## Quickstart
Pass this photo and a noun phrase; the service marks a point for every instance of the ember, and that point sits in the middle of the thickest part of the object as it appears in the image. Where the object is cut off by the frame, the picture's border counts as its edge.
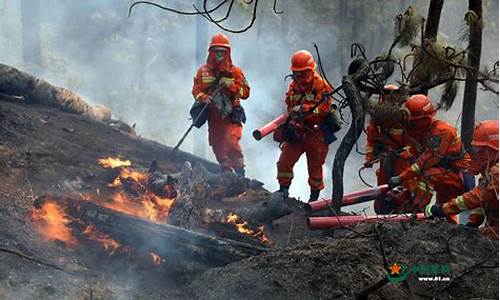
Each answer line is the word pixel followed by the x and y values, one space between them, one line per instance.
pixel 157 260
pixel 51 222
pixel 242 227
pixel 109 244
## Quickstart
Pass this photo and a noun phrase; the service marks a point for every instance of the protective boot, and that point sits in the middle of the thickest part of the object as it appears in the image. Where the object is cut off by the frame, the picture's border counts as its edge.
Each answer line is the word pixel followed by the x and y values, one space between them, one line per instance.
pixel 284 190
pixel 314 195
pixel 240 172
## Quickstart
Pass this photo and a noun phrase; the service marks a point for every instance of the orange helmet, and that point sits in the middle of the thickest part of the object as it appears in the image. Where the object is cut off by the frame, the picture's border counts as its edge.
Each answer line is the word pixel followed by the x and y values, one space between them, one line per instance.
pixel 419 107
pixel 486 134
pixel 302 60
pixel 220 40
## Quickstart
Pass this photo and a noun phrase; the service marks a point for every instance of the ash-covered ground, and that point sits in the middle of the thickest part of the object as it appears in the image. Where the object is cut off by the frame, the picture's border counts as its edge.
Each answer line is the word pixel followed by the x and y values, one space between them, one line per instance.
pixel 44 151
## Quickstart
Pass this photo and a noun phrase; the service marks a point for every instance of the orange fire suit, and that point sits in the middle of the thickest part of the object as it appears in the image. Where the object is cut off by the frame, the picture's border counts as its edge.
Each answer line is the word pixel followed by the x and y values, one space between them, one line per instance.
pixel 223 134
pixel 439 165
pixel 313 144
pixel 480 199
pixel 390 146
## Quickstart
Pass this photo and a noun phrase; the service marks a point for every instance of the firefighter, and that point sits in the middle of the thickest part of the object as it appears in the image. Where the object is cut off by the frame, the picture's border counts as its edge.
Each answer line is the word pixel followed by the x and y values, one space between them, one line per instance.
pixel 387 144
pixel 440 157
pixel 222 85
pixel 482 201
pixel 305 134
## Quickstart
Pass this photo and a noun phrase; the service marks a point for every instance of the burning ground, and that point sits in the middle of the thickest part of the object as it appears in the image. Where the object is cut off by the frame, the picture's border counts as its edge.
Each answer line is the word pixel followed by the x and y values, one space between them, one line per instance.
pixel 85 214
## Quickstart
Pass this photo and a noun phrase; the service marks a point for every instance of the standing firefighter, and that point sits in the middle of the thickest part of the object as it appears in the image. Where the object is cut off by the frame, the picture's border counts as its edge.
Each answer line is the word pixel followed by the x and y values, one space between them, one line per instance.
pixel 305 131
pixel 387 143
pixel 220 85
pixel 482 201
pixel 441 159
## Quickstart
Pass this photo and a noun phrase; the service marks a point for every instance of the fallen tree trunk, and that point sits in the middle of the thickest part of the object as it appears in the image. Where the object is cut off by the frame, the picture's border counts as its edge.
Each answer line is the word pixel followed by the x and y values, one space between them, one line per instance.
pixel 263 212
pixel 167 240
pixel 38 91
pixel 173 243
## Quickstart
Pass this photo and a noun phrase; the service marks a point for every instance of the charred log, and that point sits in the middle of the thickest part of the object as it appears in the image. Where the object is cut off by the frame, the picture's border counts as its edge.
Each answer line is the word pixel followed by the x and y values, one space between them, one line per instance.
pixel 37 91
pixel 168 241
pixel 262 212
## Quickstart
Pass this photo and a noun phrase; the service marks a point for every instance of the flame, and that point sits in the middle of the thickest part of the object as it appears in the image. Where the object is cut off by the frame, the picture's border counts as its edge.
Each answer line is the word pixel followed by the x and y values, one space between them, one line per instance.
pixel 111 162
pixel 242 227
pixel 127 173
pixel 52 223
pixel 109 244
pixel 150 207
pixel 147 206
pixel 157 260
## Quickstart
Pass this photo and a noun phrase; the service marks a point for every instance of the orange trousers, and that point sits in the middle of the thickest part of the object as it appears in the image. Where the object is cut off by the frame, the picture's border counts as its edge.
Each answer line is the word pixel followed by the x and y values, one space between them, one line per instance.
pixel 224 137
pixel 316 151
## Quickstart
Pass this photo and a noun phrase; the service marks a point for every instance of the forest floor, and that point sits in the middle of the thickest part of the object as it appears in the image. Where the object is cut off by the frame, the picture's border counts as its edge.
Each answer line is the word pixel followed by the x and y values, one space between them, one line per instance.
pixel 44 151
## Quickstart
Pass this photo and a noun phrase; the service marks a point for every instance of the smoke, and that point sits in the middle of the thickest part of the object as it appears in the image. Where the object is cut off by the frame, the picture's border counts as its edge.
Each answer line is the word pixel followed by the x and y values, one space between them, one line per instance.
pixel 142 67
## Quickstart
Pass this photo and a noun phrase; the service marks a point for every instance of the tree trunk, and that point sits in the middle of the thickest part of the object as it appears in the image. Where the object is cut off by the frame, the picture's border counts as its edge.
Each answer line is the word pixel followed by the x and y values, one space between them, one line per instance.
pixel 433 17
pixel 431 29
pixel 32 50
pixel 474 58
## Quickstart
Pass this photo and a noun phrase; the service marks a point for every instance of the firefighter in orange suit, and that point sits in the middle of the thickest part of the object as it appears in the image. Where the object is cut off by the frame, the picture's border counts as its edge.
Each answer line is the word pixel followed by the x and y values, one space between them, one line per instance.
pixel 386 142
pixel 441 159
pixel 222 85
pixel 482 201
pixel 306 89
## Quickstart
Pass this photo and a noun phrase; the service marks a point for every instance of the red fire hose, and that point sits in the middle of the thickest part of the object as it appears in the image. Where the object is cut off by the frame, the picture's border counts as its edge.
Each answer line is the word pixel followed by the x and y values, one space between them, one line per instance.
pixel 315 223
pixel 259 133
pixel 351 198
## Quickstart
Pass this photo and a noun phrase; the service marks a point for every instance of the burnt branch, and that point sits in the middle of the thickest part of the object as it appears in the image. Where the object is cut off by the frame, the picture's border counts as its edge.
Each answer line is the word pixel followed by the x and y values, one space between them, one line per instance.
pixel 207 12
pixel 180 12
pixel 355 101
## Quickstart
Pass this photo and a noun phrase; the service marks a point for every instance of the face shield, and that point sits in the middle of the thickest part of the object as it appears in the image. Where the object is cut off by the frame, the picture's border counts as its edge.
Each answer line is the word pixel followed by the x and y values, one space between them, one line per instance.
pixel 220 54
pixel 303 77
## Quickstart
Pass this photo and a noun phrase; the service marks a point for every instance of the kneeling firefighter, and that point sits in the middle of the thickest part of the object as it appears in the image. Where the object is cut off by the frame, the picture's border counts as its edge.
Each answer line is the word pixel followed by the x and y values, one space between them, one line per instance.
pixel 218 87
pixel 482 201
pixel 312 123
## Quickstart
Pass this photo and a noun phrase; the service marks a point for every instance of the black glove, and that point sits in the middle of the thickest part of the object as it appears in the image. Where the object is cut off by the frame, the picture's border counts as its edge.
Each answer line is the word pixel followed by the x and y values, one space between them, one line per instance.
pixel 395 181
pixel 434 211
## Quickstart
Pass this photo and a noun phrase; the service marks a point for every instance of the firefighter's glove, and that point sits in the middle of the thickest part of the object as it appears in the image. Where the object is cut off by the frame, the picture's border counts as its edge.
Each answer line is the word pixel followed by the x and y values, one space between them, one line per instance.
pixel 395 181
pixel 472 225
pixel 434 211
pixel 204 98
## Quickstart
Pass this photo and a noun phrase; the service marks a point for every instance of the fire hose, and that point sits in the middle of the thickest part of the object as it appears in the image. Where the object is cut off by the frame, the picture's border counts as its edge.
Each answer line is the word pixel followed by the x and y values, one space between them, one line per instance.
pixel 351 198
pixel 265 130
pixel 315 223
